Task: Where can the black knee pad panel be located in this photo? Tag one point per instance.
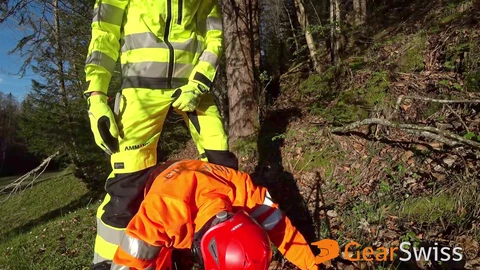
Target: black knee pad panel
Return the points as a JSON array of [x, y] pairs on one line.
[[223, 158]]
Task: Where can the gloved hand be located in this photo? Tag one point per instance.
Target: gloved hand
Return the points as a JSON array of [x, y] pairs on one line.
[[186, 98], [102, 123]]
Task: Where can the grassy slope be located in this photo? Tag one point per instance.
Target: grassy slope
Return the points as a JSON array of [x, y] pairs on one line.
[[48, 226]]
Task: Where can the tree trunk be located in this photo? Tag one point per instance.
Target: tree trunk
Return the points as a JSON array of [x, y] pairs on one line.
[[304, 23], [338, 30], [241, 64], [292, 27], [61, 79], [356, 12], [363, 5], [333, 39], [360, 11], [335, 31]]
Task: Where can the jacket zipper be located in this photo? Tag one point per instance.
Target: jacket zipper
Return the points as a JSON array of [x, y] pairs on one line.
[[180, 10], [170, 47]]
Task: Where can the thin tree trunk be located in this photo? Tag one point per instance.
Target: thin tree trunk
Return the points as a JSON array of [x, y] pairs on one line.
[[357, 12], [333, 38], [61, 79], [294, 32], [241, 67], [360, 11], [338, 30], [363, 5], [304, 23], [335, 34]]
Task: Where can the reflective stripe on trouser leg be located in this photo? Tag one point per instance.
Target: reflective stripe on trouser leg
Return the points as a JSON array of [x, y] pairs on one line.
[[206, 128], [107, 239], [141, 116]]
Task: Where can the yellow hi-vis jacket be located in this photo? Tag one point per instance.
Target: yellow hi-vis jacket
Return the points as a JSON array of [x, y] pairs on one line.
[[163, 44]]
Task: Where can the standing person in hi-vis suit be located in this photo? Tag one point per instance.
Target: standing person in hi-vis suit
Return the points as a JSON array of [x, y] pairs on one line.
[[169, 52]]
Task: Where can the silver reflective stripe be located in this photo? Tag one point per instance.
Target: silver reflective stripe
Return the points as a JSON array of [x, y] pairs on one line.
[[214, 24], [118, 267], [209, 57], [108, 234], [272, 220], [182, 70], [139, 249], [149, 40], [155, 70], [109, 14], [101, 59], [97, 258], [267, 205]]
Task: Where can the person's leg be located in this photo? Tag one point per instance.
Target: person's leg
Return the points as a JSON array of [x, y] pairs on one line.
[[142, 114], [206, 128]]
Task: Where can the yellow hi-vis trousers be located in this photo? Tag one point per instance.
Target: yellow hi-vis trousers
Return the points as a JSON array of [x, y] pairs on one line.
[[140, 120]]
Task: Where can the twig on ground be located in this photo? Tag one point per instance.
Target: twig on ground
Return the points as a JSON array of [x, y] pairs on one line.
[[426, 131], [17, 184], [458, 116], [444, 101]]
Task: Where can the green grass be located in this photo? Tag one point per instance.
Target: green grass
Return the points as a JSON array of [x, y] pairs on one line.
[[4, 181], [35, 204], [48, 226], [62, 243]]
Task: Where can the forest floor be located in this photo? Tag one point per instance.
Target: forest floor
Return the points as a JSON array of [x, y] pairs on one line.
[[376, 185]]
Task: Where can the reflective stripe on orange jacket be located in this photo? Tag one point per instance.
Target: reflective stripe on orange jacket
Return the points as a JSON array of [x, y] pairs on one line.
[[184, 197]]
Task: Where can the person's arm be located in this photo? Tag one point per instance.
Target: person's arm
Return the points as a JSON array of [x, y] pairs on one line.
[[206, 68], [161, 222], [289, 241], [104, 47]]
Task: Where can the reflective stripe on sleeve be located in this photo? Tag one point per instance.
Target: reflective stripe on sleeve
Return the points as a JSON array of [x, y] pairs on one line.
[[108, 13], [214, 24], [101, 59], [138, 248], [209, 57]]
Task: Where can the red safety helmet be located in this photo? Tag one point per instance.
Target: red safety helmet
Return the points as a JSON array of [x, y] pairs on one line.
[[232, 241]]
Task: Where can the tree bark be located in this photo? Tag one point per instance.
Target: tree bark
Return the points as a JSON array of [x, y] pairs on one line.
[[61, 79], [241, 57], [303, 20], [360, 11], [335, 30], [363, 5]]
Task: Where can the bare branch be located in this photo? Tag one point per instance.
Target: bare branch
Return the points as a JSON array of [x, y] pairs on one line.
[[430, 132], [458, 116], [19, 183], [444, 101]]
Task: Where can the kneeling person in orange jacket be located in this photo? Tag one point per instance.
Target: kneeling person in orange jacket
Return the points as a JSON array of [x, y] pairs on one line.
[[227, 221]]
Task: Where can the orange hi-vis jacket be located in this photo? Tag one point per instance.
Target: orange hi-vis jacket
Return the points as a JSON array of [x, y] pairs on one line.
[[184, 197]]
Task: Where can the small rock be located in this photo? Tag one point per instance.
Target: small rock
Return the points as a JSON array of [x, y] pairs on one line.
[[407, 155], [438, 168], [391, 235], [332, 213], [439, 176], [449, 161]]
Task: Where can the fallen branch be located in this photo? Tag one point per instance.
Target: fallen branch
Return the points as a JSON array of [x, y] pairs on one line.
[[430, 132], [444, 101], [18, 183], [458, 116]]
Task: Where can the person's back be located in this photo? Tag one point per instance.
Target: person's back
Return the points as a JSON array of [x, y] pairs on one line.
[[186, 195]]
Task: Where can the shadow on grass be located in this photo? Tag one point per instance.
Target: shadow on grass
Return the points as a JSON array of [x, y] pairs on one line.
[[86, 199]]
